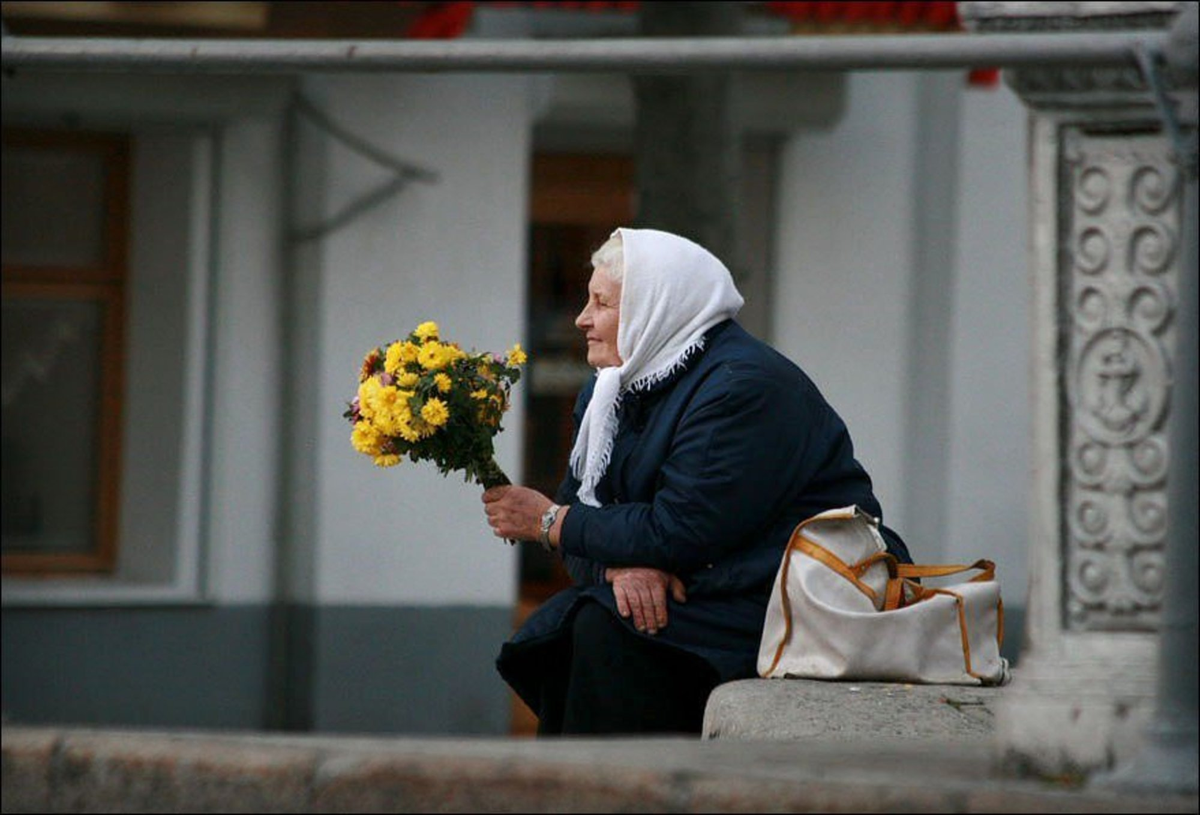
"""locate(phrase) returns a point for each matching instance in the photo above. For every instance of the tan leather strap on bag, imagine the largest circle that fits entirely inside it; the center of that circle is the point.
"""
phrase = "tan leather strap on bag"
(861, 567)
(785, 602)
(818, 552)
(962, 627)
(987, 570)
(903, 590)
(962, 623)
(823, 555)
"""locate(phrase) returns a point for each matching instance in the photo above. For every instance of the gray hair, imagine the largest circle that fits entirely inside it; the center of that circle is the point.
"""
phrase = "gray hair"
(611, 257)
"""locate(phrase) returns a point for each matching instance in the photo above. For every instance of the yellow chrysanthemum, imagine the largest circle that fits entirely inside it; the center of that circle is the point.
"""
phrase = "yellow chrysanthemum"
(433, 356)
(392, 420)
(387, 460)
(517, 355)
(427, 331)
(443, 382)
(368, 394)
(407, 431)
(393, 363)
(399, 355)
(480, 394)
(366, 439)
(408, 380)
(435, 412)
(420, 429)
(388, 398)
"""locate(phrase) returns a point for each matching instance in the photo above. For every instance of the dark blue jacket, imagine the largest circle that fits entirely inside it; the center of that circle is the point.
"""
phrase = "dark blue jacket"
(711, 470)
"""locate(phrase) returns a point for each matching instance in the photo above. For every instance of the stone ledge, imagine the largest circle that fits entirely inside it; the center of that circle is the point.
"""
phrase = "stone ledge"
(75, 770)
(794, 709)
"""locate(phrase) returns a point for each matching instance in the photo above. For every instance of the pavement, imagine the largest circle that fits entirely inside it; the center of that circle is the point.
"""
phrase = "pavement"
(863, 755)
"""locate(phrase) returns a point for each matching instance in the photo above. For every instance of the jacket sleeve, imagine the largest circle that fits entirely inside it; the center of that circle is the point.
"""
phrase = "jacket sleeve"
(583, 571)
(739, 453)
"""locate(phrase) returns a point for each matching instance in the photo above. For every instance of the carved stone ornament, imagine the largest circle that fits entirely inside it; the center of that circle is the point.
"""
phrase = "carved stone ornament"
(1058, 87)
(1070, 87)
(1122, 216)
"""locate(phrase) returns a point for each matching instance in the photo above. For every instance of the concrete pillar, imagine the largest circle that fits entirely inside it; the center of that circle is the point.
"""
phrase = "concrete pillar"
(1106, 219)
(686, 145)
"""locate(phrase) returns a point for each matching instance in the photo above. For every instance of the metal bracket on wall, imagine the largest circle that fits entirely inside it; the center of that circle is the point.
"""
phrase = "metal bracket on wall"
(402, 173)
(1151, 62)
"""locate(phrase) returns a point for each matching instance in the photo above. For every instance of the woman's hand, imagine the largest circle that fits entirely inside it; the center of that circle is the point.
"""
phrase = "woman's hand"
(642, 592)
(515, 512)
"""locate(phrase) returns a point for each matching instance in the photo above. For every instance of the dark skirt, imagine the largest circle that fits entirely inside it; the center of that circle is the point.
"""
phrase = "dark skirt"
(594, 675)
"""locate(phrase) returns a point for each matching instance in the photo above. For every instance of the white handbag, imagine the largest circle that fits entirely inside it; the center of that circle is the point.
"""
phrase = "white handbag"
(844, 608)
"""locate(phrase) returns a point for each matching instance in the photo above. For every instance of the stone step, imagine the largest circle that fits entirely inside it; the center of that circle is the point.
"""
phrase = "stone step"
(795, 709)
(86, 770)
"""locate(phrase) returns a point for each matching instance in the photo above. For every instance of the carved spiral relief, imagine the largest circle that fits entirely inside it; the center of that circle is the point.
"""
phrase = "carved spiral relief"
(1149, 306)
(1123, 204)
(1151, 190)
(1151, 249)
(1148, 517)
(1093, 190)
(1091, 307)
(1090, 521)
(1149, 460)
(1146, 572)
(1093, 251)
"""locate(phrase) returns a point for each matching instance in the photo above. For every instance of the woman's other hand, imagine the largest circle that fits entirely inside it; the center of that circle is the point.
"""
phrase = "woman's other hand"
(515, 512)
(642, 592)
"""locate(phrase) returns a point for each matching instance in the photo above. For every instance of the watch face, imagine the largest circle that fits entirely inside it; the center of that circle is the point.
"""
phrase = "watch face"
(548, 518)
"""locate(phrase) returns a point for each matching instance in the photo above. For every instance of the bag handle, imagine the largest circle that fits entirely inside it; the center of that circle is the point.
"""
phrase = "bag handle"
(819, 553)
(903, 589)
(987, 570)
(823, 555)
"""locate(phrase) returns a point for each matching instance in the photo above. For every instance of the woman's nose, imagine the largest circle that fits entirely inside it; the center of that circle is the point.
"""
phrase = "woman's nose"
(583, 320)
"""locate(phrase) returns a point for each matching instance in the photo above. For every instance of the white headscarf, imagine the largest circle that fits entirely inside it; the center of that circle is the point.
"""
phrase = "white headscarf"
(674, 290)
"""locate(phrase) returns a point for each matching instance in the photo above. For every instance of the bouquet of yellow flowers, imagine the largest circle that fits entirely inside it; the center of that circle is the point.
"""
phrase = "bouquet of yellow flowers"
(429, 400)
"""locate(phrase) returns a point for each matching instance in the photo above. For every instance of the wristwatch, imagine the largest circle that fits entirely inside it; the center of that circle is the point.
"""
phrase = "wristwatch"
(548, 518)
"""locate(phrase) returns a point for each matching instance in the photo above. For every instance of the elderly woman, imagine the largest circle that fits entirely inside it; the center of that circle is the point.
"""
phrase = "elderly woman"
(698, 449)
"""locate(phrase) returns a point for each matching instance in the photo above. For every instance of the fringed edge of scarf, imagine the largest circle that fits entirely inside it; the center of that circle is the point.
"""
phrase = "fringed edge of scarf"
(589, 479)
(650, 380)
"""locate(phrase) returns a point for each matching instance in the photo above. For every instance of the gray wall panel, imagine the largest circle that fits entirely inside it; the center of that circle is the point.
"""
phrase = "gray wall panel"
(364, 669)
(170, 667)
(415, 670)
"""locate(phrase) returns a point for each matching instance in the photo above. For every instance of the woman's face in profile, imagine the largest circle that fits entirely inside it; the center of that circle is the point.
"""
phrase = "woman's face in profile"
(599, 319)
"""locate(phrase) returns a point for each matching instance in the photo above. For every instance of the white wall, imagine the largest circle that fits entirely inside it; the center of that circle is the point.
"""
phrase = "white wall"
(246, 401)
(453, 252)
(989, 411)
(844, 268)
(856, 228)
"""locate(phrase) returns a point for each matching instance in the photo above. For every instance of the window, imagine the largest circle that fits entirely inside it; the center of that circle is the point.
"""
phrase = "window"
(64, 255)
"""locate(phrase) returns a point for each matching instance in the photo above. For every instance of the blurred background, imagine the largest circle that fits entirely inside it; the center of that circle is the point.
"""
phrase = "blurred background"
(195, 264)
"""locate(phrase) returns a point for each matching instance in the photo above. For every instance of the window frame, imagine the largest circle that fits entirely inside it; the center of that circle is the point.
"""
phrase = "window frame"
(104, 284)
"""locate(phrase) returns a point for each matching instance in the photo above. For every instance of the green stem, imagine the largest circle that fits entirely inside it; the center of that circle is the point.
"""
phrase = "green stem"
(490, 475)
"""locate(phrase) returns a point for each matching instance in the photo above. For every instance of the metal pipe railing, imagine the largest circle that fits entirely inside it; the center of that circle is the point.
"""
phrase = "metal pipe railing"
(647, 55)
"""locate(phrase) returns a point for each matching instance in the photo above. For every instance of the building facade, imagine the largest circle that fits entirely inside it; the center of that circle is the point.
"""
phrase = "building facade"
(265, 574)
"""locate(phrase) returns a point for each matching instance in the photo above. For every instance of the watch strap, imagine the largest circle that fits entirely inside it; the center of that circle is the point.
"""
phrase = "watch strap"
(548, 519)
